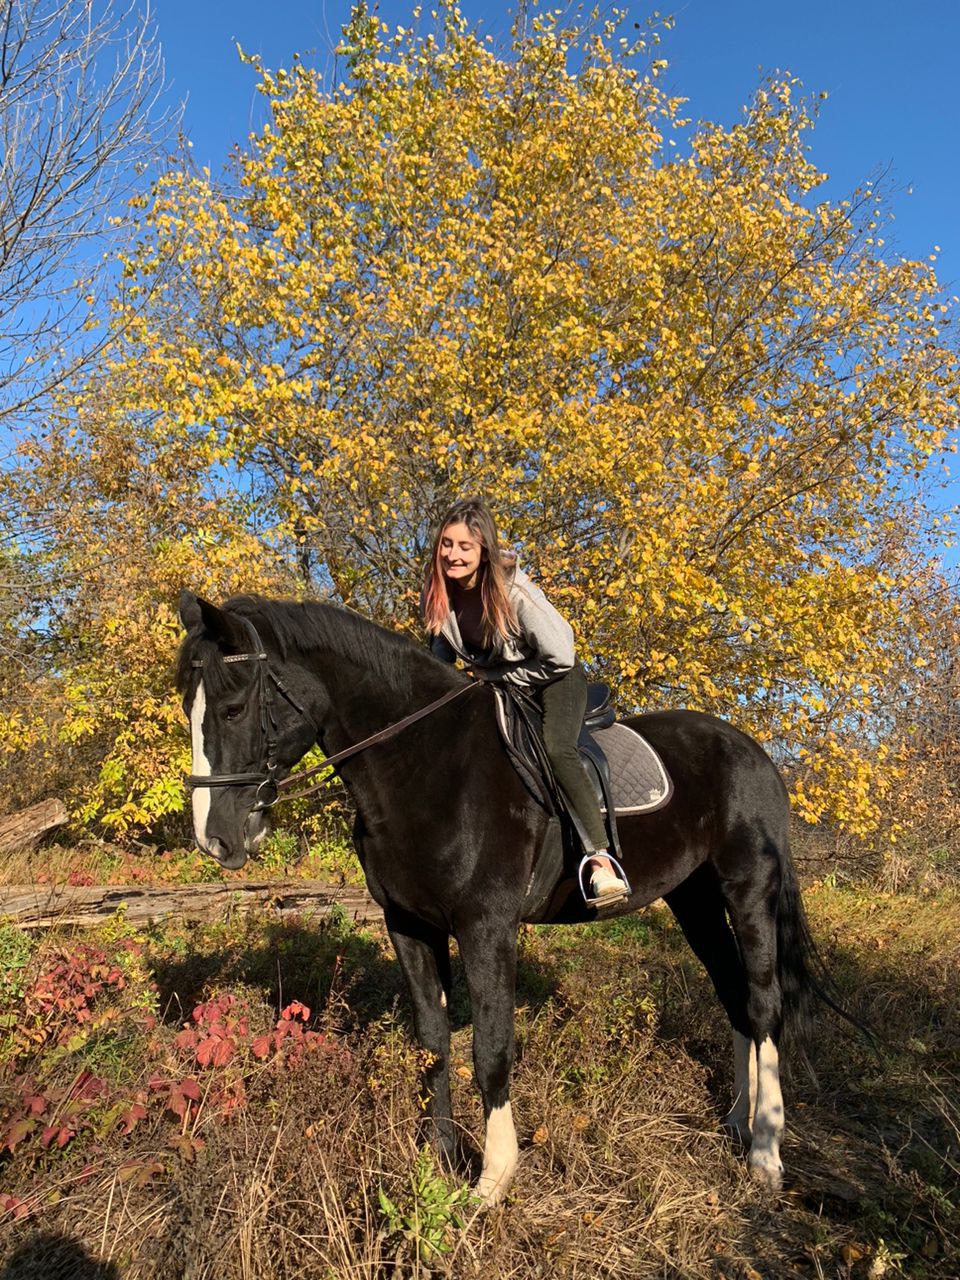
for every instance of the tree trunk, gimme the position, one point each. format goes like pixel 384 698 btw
pixel 17 830
pixel 39 906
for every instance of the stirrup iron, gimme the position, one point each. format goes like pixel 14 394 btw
pixel 607 899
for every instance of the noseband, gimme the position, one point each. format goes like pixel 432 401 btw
pixel 265 780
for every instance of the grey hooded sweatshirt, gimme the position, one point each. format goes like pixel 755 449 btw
pixel 539 654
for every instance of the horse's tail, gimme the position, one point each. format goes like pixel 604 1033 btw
pixel 804 978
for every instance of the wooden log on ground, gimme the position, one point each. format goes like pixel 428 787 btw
pixel 40 906
pixel 17 830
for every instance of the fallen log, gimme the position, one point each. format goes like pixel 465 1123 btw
pixel 17 830
pixel 40 906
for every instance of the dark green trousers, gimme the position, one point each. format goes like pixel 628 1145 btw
pixel 564 702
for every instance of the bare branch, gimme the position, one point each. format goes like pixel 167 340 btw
pixel 80 82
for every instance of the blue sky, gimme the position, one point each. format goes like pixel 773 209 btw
pixel 889 72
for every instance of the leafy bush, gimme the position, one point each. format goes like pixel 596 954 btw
pixel 428 1212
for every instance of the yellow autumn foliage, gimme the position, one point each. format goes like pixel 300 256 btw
pixel 702 400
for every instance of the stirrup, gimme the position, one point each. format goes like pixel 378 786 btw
pixel 607 899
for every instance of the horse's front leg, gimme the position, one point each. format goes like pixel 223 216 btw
pixel 489 954
pixel 424 955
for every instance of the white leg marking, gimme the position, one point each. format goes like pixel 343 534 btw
pixel 201 767
pixel 500 1154
pixel 764 1157
pixel 739 1117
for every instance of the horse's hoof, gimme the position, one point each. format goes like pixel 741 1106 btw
pixel 491 1191
pixel 766 1171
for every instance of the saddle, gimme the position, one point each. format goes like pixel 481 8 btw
pixel 521 720
pixel 636 783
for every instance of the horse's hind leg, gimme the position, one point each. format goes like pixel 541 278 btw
pixel 752 903
pixel 699 908
pixel 742 965
pixel 489 953
pixel 739 1119
pixel 424 955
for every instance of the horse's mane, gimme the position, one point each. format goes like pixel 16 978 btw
pixel 293 626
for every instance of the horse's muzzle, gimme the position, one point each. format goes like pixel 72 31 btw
pixel 230 861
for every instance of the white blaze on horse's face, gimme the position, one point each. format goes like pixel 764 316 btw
pixel 201 767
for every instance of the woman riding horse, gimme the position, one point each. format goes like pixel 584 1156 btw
pixel 479 607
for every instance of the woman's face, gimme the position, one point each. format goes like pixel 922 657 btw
pixel 461 555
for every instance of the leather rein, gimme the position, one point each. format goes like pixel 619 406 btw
pixel 268 788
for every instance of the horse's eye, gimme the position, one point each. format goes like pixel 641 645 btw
pixel 234 712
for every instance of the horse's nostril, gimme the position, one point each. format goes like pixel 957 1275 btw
pixel 230 861
pixel 213 847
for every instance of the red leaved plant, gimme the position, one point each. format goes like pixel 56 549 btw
pixel 74 996
pixel 290 1041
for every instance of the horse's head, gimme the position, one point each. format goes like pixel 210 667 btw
pixel 245 734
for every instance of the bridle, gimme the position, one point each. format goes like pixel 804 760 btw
pixel 265 779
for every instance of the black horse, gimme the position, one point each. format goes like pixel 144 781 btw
pixel 450 840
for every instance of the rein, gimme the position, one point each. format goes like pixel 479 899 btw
pixel 268 788
pixel 382 736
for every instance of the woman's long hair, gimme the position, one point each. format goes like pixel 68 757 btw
pixel 499 615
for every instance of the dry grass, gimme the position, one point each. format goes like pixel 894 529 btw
pixel 623 1073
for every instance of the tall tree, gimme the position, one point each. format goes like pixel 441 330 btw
pixel 80 120
pixel 699 397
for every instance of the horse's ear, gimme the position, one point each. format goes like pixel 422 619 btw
pixel 196 613
pixel 190 613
